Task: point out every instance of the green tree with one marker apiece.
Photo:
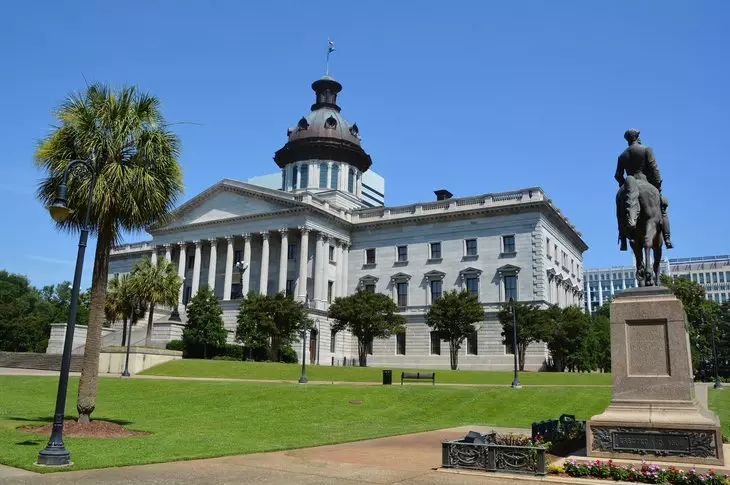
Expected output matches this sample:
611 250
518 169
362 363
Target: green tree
690 293
601 328
121 301
138 178
205 322
25 316
367 315
565 331
453 316
156 284
528 327
277 319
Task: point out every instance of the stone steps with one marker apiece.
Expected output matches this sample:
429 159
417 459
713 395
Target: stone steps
31 360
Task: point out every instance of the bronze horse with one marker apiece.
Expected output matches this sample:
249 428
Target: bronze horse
647 236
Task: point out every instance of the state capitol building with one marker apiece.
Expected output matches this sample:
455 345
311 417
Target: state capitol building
319 232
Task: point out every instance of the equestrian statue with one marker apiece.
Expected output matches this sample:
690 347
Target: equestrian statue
641 209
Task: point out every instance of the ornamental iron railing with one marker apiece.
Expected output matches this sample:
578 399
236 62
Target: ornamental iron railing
489 457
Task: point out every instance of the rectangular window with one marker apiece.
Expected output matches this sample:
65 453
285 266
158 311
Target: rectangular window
237 255
330 285
289 288
471 344
304 176
722 277
351 181
370 256
547 243
572 265
402 254
702 278
508 244
472 286
333 334
400 343
323 175
370 288
435 250
332 254
436 290
435 344
727 276
335 176
191 262
403 294
294 177
510 287
555 253
471 247
714 277
291 251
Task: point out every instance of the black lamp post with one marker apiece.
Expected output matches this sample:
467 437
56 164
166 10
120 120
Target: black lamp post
129 340
515 381
714 353
55 453
303 378
241 267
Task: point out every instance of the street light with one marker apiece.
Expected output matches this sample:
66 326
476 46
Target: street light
714 352
515 381
55 453
129 339
303 378
241 267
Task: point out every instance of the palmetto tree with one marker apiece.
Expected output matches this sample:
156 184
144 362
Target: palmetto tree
118 301
156 283
138 178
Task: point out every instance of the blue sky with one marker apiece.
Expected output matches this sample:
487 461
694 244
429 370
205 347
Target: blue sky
474 97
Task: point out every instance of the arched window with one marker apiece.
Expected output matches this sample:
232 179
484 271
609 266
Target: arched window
294 177
304 176
351 181
323 175
335 176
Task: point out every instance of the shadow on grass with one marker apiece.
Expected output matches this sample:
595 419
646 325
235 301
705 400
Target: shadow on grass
30 443
49 419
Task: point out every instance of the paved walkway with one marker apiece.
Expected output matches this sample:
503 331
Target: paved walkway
405 460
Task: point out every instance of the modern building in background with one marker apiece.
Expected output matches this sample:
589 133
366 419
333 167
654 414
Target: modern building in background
318 230
711 272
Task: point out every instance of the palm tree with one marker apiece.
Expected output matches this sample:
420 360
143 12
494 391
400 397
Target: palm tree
138 179
119 301
156 283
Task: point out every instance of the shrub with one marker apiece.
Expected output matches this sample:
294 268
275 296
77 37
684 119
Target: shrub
235 352
225 357
175 345
288 354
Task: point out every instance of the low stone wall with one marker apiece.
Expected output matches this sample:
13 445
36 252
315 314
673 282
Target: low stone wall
38 361
58 336
163 332
112 359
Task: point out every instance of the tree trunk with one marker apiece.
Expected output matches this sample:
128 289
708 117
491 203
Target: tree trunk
86 401
148 337
522 349
454 355
205 351
124 331
362 353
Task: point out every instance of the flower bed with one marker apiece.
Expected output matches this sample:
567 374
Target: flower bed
645 473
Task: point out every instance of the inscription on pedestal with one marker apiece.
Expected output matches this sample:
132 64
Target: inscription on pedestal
662 443
654 442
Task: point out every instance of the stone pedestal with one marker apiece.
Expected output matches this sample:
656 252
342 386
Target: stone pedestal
653 412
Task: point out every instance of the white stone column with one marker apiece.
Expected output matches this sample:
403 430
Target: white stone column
283 258
213 263
303 260
168 252
246 280
612 289
588 294
319 265
428 291
196 266
600 291
181 270
338 269
228 278
264 280
153 256
345 270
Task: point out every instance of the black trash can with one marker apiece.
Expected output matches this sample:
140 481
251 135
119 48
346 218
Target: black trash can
387 377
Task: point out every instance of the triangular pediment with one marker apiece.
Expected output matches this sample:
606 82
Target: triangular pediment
470 270
434 274
508 268
400 277
227 200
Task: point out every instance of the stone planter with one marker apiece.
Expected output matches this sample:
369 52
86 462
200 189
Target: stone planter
112 359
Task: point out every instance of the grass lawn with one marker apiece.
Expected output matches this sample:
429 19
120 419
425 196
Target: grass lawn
268 370
195 419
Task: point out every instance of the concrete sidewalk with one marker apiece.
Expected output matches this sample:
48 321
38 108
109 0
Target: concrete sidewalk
407 460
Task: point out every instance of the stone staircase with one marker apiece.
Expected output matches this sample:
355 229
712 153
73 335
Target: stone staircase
31 360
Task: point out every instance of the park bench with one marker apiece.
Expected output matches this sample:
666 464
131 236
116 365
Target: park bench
418 376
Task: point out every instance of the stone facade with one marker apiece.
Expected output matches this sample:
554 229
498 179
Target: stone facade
317 240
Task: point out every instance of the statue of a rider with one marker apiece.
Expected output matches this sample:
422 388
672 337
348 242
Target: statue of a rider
640 166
